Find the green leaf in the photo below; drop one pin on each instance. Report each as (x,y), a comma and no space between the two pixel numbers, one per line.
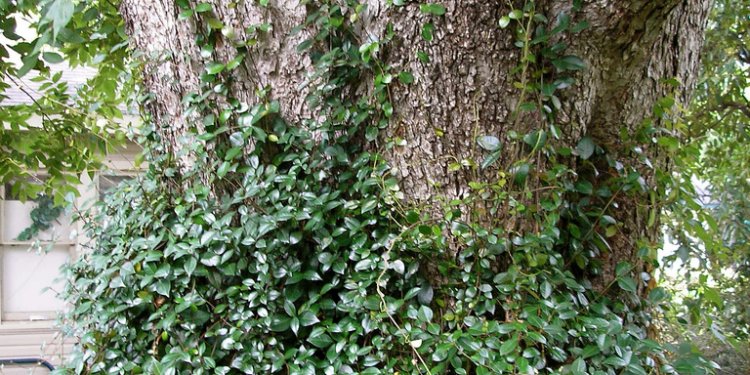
(546,289)
(203,7)
(590,351)
(59,13)
(214,68)
(29,62)
(427,30)
(623,268)
(319,339)
(190,265)
(227,343)
(440,354)
(235,62)
(516,14)
(504,22)
(490,159)
(569,63)
(406,78)
(371,133)
(424,314)
(509,346)
(369,205)
(536,139)
(585,147)
(578,367)
(489,142)
(398,266)
(433,9)
(52,57)
(627,284)
(162,287)
(363,265)
(308,318)
(520,173)
(584,187)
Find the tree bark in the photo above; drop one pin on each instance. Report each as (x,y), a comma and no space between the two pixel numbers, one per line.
(465,90)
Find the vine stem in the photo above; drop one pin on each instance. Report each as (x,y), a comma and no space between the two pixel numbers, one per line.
(524,66)
(381,295)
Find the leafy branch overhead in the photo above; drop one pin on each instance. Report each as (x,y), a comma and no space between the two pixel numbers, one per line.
(51,128)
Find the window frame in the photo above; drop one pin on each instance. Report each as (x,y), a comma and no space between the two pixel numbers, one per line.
(47,318)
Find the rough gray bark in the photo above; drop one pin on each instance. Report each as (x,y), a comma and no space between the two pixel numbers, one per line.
(465,91)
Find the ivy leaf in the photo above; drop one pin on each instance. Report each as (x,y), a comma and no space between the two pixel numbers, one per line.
(546,289)
(516,14)
(369,205)
(190,265)
(425,294)
(398,266)
(489,142)
(585,147)
(308,318)
(569,63)
(440,354)
(235,62)
(427,30)
(203,7)
(504,22)
(508,346)
(294,325)
(490,159)
(623,268)
(579,367)
(371,133)
(584,187)
(536,139)
(520,173)
(425,314)
(627,284)
(433,9)
(406,78)
(319,339)
(227,343)
(214,68)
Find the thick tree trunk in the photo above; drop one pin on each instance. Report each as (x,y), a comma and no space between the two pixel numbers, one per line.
(467,89)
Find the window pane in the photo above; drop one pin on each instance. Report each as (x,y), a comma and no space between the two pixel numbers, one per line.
(17,217)
(109,182)
(24,276)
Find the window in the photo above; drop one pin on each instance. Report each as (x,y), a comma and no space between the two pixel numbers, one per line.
(107,182)
(29,279)
(28,284)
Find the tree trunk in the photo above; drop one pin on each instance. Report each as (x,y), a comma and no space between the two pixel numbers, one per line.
(466,90)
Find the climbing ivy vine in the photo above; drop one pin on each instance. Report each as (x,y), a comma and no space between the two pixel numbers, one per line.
(286,247)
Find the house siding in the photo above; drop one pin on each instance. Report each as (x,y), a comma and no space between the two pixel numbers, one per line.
(42,341)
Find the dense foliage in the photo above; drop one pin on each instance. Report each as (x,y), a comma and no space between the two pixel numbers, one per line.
(711,225)
(286,247)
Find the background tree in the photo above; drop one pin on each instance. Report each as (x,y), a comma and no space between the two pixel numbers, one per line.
(711,231)
(345,186)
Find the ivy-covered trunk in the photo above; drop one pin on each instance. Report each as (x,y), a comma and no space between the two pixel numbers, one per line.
(462,77)
(489,174)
